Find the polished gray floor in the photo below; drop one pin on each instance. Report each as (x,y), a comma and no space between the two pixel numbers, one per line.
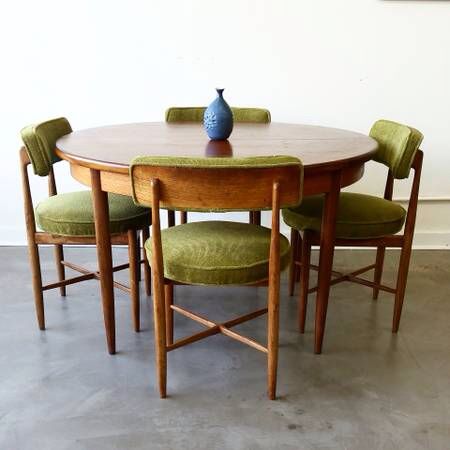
(59,389)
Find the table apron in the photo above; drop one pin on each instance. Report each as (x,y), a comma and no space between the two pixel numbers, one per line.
(315,181)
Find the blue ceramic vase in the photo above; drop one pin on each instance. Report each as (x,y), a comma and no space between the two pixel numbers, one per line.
(218,118)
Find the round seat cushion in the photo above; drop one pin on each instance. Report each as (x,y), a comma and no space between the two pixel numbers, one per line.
(72,214)
(218,252)
(359,216)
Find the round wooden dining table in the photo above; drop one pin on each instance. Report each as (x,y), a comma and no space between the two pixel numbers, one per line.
(100,158)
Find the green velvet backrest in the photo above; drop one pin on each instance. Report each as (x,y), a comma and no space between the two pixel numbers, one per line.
(195,114)
(40,143)
(217,184)
(397,146)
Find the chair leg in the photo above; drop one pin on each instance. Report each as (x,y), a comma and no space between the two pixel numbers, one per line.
(170,218)
(183,217)
(138,245)
(402,278)
(59,256)
(147,269)
(293,267)
(160,337)
(298,256)
(304,281)
(254,217)
(273,338)
(168,294)
(35,264)
(133,256)
(378,270)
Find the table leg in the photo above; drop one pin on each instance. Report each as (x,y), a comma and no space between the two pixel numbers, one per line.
(104,256)
(327,239)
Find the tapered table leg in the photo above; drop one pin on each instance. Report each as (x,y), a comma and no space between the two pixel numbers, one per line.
(104,256)
(327,239)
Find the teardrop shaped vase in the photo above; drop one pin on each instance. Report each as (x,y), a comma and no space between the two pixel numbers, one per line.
(218,118)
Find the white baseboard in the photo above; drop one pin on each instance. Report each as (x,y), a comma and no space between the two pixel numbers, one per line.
(422,240)
(432,240)
(11,236)
(432,227)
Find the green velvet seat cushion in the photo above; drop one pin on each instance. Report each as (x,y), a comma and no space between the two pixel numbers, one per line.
(71,214)
(359,216)
(218,252)
(195,114)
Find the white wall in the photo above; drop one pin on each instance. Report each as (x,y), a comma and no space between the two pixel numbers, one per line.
(341,64)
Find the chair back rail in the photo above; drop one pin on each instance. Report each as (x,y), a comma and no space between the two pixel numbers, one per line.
(410,221)
(25,161)
(416,166)
(27,197)
(389,189)
(216,188)
(52,183)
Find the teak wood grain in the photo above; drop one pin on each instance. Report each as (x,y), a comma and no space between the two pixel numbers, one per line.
(196,188)
(327,154)
(115,146)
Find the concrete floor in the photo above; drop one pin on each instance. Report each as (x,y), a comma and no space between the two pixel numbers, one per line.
(59,389)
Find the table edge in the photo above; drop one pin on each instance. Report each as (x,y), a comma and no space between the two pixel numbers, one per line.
(99,164)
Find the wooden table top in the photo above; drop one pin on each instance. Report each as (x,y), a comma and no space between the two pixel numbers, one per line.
(116,145)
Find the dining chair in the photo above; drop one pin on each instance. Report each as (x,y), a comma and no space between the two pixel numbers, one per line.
(216,252)
(364,221)
(69,219)
(195,114)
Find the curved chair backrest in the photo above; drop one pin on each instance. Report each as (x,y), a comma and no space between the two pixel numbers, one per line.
(40,143)
(217,184)
(397,146)
(195,114)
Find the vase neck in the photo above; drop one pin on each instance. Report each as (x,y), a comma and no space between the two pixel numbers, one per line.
(220,92)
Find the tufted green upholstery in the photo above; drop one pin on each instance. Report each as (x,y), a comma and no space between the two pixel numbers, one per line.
(217,252)
(359,216)
(40,143)
(72,214)
(397,146)
(195,114)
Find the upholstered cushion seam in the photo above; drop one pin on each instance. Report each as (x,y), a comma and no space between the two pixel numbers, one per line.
(171,273)
(92,221)
(112,233)
(254,264)
(218,252)
(354,223)
(368,223)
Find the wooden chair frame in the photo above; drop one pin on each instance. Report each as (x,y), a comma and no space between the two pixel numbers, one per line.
(162,193)
(36,238)
(301,256)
